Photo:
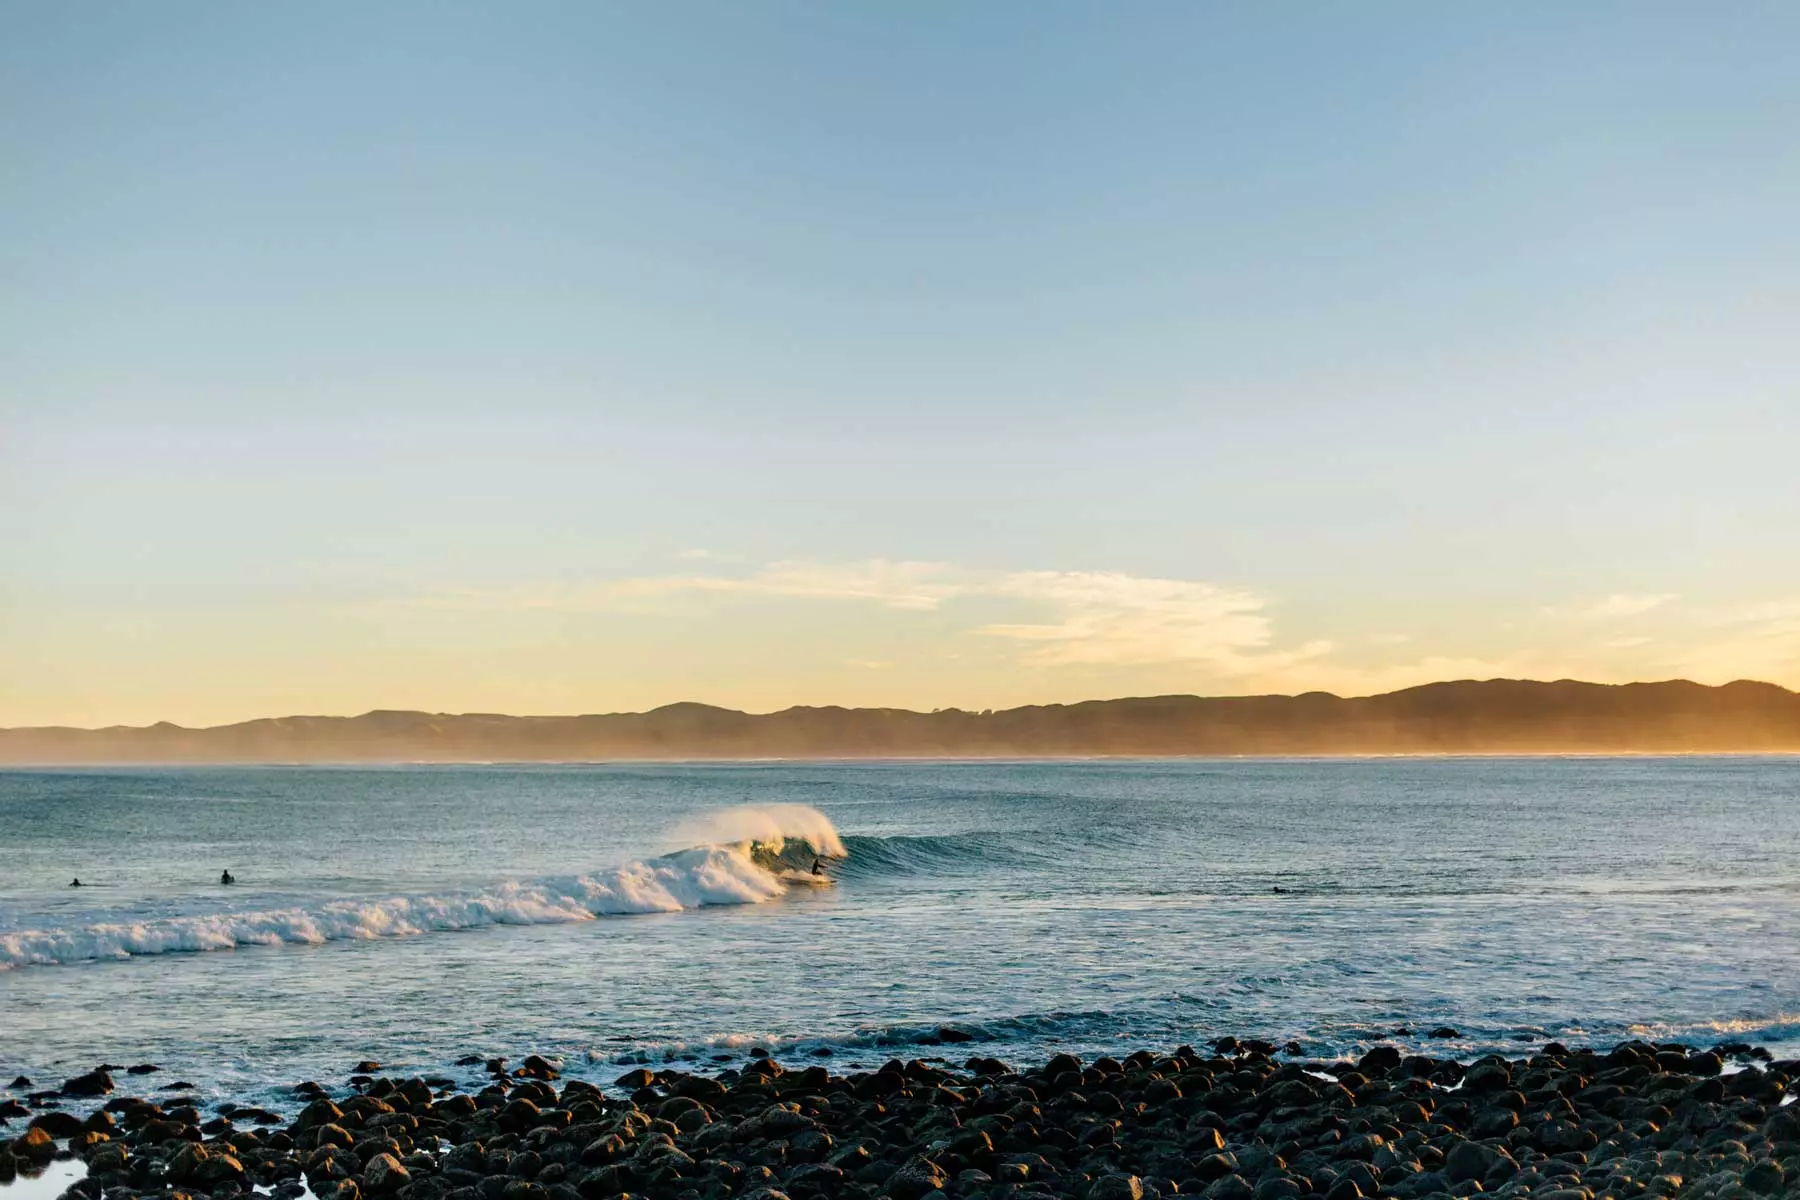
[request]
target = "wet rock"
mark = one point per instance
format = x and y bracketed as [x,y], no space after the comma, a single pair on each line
[1487,1077]
[94,1083]
[1231,1187]
[143,1069]
[57,1124]
[917,1178]
[536,1067]
[383,1174]
[1765,1178]
[1116,1186]
[35,1145]
[1469,1160]
[1379,1060]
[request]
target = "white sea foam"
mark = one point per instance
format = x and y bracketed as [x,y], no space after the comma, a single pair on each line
[733,858]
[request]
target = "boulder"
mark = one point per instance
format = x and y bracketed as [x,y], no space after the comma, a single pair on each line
[915,1179]
[1116,1186]
[319,1112]
[94,1083]
[1468,1160]
[58,1124]
[383,1175]
[1765,1178]
[1379,1060]
[184,1166]
[1487,1077]
[36,1145]
[1230,1187]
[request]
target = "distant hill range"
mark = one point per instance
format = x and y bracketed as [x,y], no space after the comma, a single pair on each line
[1496,716]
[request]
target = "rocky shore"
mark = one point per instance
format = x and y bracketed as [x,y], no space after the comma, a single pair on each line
[1233,1121]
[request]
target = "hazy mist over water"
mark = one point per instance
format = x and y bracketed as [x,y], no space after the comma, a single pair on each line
[605,913]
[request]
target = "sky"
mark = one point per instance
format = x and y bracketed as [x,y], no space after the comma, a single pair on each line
[578,357]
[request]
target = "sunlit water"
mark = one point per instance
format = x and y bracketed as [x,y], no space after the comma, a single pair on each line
[420,914]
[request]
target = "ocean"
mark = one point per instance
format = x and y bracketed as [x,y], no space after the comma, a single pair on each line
[612,915]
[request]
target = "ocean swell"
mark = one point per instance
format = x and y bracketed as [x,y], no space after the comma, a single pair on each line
[736,857]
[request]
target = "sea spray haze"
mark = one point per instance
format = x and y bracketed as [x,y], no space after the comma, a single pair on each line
[625,913]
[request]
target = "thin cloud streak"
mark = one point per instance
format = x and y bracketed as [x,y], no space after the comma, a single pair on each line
[1113,621]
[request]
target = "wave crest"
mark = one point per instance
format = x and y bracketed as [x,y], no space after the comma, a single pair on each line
[736,857]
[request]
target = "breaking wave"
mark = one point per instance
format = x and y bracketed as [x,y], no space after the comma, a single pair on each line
[738,856]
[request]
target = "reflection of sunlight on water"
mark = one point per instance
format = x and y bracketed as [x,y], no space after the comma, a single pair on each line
[55,1180]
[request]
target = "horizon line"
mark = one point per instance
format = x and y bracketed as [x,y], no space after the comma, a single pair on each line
[950,709]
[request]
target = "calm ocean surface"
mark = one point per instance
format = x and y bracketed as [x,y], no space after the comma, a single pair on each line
[605,914]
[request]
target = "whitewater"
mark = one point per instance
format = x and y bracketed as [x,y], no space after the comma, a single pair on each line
[647,913]
[739,856]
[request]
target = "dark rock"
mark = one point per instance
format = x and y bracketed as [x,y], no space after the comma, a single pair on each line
[1379,1060]
[1487,1077]
[94,1083]
[19,1083]
[1116,1186]
[383,1174]
[1468,1160]
[36,1145]
[58,1124]
[1445,1031]
[1765,1177]
[537,1067]
[917,1178]
[1231,1187]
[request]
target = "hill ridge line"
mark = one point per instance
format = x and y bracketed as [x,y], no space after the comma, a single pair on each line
[1495,716]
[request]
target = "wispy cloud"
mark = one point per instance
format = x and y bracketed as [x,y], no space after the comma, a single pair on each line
[1115,619]
[1109,619]
[1613,607]
[905,585]
[1068,617]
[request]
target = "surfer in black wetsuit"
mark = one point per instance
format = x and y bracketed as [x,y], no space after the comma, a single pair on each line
[74,883]
[818,868]
[225,878]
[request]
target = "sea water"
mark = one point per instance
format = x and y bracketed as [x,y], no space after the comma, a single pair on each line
[622,914]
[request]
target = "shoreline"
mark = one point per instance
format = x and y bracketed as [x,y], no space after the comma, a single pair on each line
[1231,1121]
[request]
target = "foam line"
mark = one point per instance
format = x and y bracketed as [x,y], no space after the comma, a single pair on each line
[737,861]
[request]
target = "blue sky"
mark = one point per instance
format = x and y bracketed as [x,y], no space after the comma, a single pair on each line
[567,357]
